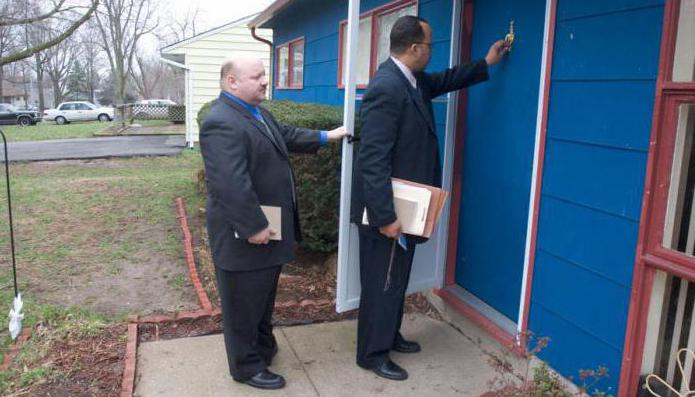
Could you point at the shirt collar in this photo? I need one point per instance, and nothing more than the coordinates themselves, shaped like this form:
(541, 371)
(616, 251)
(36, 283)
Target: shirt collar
(252, 109)
(406, 71)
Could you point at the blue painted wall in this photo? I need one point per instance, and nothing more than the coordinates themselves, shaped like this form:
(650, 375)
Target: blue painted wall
(601, 100)
(318, 22)
(600, 115)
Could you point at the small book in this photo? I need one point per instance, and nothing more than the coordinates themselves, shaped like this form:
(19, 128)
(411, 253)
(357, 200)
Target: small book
(274, 217)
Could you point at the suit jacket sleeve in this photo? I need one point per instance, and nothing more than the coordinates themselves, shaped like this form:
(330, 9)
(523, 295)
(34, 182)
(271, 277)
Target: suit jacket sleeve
(460, 76)
(380, 119)
(299, 140)
(228, 179)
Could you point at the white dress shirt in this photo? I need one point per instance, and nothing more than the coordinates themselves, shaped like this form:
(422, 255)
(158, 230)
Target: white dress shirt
(406, 72)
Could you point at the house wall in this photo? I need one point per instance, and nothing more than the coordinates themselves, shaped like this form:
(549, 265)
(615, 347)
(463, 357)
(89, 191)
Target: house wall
(600, 114)
(205, 55)
(318, 23)
(14, 100)
(601, 101)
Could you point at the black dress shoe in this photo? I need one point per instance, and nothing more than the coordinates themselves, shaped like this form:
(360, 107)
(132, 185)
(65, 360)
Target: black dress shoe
(266, 380)
(404, 346)
(390, 370)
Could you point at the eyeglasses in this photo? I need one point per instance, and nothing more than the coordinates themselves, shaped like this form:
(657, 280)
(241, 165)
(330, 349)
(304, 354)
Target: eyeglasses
(429, 45)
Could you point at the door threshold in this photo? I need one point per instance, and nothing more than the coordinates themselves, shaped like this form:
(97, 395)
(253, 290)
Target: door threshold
(498, 319)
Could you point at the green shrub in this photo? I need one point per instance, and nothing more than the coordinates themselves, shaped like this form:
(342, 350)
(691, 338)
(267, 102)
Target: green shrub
(318, 175)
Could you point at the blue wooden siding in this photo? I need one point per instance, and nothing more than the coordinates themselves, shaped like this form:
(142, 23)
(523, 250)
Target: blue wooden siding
(600, 115)
(318, 23)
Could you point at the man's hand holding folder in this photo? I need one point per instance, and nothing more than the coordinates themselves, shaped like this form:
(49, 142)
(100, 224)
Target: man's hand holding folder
(274, 229)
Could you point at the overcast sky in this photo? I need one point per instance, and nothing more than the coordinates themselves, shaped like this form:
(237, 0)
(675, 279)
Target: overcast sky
(214, 13)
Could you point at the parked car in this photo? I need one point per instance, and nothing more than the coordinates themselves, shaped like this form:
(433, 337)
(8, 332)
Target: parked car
(157, 108)
(68, 112)
(9, 114)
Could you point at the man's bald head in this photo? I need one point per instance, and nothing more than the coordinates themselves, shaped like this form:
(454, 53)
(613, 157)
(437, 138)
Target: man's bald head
(245, 78)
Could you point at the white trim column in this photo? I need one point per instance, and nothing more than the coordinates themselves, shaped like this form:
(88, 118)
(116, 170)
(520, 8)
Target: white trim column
(535, 179)
(348, 250)
(188, 102)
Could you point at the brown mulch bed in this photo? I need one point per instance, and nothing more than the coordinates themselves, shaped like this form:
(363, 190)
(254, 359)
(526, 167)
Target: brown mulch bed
(149, 332)
(80, 366)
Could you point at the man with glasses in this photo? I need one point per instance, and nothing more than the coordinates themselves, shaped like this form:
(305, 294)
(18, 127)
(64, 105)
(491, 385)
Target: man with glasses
(398, 139)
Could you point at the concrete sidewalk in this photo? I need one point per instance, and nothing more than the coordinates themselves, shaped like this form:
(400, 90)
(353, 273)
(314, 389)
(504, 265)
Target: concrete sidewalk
(319, 360)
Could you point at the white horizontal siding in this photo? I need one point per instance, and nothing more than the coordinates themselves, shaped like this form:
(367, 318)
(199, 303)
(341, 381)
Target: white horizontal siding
(205, 56)
(228, 47)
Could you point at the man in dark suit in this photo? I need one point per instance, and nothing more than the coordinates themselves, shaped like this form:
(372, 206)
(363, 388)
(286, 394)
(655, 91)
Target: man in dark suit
(245, 151)
(398, 139)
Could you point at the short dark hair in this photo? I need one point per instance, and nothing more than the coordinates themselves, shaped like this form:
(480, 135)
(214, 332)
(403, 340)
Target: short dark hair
(406, 31)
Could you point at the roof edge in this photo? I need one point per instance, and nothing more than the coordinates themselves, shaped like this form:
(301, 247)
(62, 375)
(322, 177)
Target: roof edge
(267, 14)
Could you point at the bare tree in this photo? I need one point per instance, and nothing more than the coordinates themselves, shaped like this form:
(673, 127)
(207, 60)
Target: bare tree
(8, 38)
(90, 43)
(122, 24)
(174, 87)
(147, 74)
(179, 27)
(34, 34)
(74, 14)
(58, 62)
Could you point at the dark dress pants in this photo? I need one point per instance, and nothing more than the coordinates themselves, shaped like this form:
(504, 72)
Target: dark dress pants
(248, 299)
(381, 311)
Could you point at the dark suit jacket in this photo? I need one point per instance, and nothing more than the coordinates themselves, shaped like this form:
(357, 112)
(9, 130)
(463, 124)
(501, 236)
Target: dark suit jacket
(246, 168)
(398, 137)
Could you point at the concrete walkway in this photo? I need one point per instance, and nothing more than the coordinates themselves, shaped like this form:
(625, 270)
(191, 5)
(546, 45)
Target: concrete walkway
(319, 360)
(92, 148)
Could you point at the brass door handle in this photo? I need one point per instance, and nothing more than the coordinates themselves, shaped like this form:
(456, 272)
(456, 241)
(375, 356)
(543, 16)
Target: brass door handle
(509, 37)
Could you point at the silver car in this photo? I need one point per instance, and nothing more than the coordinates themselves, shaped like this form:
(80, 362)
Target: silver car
(68, 112)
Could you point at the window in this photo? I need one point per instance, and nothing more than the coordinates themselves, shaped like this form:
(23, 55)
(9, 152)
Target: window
(283, 69)
(663, 310)
(68, 106)
(364, 51)
(374, 30)
(385, 22)
(679, 225)
(684, 60)
(669, 329)
(290, 65)
(297, 79)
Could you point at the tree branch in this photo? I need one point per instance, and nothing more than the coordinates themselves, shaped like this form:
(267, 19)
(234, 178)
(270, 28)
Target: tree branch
(50, 43)
(24, 21)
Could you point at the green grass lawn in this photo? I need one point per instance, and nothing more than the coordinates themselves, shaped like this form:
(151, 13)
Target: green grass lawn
(88, 222)
(48, 130)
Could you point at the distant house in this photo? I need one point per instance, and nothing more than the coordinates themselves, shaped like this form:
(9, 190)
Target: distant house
(572, 170)
(13, 94)
(201, 56)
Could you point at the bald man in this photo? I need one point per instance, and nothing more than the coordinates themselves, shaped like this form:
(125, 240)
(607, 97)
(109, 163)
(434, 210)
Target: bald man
(245, 151)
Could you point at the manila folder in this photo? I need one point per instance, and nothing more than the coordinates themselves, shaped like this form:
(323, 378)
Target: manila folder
(274, 217)
(412, 204)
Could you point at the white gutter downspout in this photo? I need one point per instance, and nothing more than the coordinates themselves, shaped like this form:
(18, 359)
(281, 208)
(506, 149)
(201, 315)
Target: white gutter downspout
(189, 99)
(345, 229)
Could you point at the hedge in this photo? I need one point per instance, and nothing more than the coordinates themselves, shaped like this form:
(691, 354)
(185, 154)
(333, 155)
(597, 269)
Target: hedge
(318, 175)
